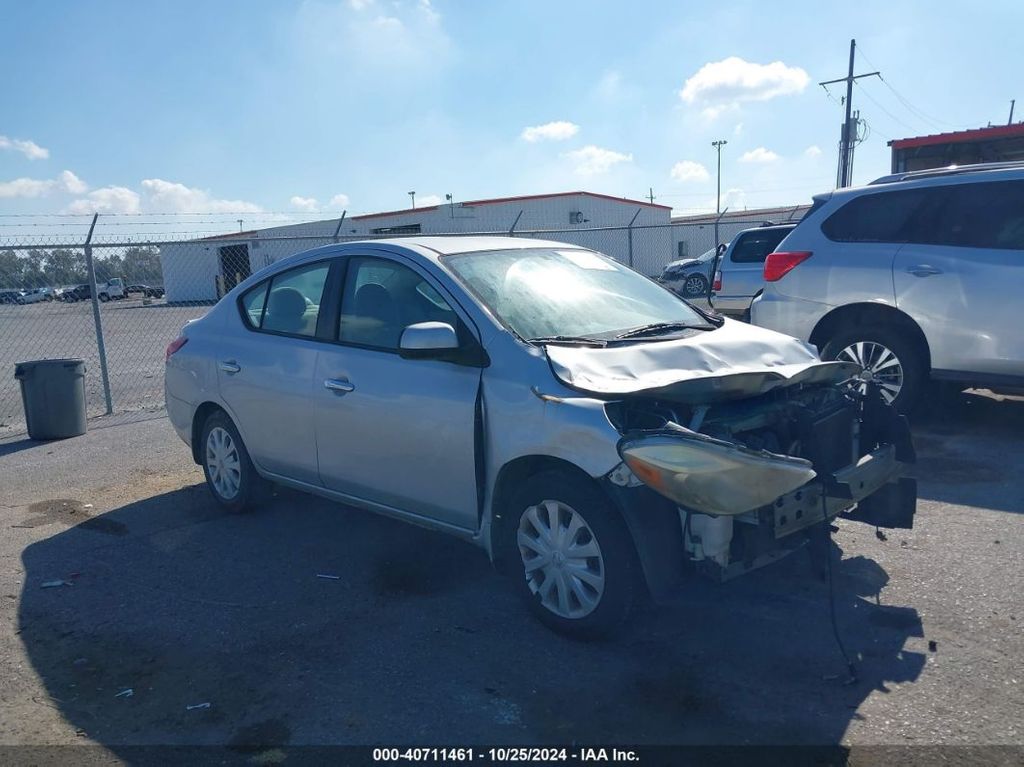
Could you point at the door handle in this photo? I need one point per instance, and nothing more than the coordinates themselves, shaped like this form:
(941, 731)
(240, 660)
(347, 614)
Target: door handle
(338, 385)
(230, 367)
(923, 270)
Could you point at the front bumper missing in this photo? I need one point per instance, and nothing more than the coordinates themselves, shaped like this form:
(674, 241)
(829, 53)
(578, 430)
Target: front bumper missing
(804, 507)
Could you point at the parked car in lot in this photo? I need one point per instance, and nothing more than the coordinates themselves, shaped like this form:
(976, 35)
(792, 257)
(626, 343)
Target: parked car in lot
(148, 291)
(690, 277)
(917, 276)
(10, 296)
(37, 295)
(105, 291)
(592, 431)
(740, 272)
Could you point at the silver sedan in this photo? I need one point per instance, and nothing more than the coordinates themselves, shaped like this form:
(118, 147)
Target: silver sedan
(598, 436)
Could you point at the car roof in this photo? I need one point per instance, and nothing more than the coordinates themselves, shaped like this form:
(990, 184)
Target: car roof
(1000, 168)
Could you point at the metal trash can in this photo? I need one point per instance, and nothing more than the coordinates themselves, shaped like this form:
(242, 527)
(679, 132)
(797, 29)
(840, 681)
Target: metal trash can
(53, 394)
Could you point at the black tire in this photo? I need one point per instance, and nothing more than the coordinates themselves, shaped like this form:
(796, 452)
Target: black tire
(617, 561)
(251, 486)
(104, 297)
(907, 350)
(695, 286)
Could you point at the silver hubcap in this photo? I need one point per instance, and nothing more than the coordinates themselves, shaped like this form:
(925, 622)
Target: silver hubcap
(223, 462)
(878, 365)
(693, 285)
(562, 559)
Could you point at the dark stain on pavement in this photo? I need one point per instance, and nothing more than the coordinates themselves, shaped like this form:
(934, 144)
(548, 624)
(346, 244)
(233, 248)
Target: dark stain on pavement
(260, 736)
(71, 513)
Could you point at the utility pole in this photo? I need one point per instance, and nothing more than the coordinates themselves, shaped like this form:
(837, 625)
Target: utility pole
(718, 197)
(846, 136)
(239, 220)
(650, 190)
(412, 195)
(1013, 102)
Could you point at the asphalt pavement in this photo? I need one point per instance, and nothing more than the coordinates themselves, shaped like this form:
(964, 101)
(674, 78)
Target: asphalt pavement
(307, 622)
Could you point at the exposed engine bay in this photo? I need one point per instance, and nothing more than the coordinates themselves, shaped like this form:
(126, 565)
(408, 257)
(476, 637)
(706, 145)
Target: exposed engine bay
(746, 474)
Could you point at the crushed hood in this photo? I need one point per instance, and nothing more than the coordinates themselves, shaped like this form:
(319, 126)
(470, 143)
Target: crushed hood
(736, 360)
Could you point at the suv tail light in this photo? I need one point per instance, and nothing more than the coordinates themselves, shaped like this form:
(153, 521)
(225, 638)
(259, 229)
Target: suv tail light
(173, 346)
(778, 265)
(717, 284)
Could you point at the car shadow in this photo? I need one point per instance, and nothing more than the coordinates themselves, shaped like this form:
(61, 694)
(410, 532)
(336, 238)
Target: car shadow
(168, 621)
(969, 447)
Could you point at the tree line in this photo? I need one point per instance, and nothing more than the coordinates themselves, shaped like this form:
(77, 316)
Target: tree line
(66, 266)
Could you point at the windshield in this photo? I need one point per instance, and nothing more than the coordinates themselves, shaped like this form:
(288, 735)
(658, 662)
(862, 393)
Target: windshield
(546, 292)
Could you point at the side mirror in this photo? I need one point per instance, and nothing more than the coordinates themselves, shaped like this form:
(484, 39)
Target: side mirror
(428, 340)
(720, 250)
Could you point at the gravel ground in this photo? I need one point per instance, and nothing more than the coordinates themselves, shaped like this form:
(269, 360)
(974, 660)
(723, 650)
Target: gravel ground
(136, 335)
(417, 641)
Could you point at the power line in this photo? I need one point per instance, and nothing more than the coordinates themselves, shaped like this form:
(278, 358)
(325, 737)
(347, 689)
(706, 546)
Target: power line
(878, 104)
(919, 113)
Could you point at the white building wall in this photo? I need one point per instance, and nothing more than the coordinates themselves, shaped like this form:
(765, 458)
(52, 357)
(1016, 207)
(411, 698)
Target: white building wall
(191, 268)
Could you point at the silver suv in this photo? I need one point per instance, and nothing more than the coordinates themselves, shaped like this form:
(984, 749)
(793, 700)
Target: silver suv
(915, 276)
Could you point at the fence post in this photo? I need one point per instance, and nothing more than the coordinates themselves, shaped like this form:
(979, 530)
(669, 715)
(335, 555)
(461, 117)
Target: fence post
(341, 221)
(512, 229)
(714, 260)
(96, 315)
(629, 230)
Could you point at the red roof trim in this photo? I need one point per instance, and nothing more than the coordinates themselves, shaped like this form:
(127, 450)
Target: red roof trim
(958, 137)
(394, 212)
(521, 198)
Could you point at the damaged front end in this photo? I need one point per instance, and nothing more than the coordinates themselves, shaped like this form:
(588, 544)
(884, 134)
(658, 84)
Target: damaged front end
(748, 472)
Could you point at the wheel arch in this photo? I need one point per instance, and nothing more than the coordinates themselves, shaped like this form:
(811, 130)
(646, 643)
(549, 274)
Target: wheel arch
(868, 314)
(203, 412)
(510, 476)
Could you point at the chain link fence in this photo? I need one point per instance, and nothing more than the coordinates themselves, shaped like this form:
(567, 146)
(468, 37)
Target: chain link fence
(115, 300)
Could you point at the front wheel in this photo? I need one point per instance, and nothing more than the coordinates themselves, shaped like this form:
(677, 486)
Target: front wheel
(574, 561)
(230, 475)
(888, 358)
(695, 285)
(104, 297)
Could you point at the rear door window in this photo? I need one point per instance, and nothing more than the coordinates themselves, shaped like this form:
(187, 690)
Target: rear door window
(880, 217)
(754, 247)
(289, 302)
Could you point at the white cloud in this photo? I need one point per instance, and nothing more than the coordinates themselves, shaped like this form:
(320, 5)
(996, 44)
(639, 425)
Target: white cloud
(759, 155)
(25, 187)
(30, 149)
(733, 199)
(171, 197)
(812, 151)
(688, 170)
(722, 84)
(308, 204)
(108, 199)
(72, 183)
(373, 42)
(338, 201)
(593, 160)
(38, 187)
(559, 130)
(427, 200)
(738, 130)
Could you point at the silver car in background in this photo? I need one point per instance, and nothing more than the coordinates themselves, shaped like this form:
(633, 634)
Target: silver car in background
(739, 275)
(918, 276)
(593, 432)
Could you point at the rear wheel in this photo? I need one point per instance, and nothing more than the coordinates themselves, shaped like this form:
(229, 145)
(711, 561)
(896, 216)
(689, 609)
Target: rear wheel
(888, 358)
(230, 475)
(104, 297)
(573, 558)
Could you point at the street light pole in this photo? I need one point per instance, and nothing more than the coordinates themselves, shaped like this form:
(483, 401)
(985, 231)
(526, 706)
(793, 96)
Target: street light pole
(718, 197)
(413, 196)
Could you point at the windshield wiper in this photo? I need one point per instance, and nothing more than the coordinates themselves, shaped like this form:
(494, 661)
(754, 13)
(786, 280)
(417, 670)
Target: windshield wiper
(657, 328)
(572, 340)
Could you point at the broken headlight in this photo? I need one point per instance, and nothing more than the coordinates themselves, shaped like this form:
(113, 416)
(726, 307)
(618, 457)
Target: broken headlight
(709, 475)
